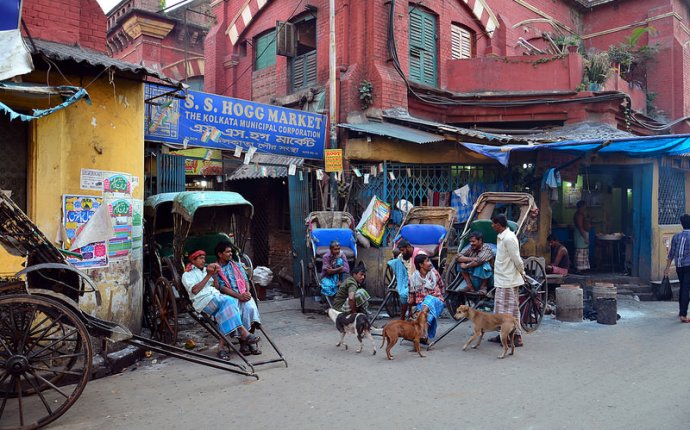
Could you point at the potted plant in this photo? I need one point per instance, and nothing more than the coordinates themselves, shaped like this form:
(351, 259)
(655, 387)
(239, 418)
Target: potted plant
(597, 70)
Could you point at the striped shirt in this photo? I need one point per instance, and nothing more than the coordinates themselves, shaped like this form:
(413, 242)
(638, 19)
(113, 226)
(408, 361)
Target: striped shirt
(680, 249)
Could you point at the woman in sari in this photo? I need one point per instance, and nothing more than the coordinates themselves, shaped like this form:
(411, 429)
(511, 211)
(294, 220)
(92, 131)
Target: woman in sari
(426, 289)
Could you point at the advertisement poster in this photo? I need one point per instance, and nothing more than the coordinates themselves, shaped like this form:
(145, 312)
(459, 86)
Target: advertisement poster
(77, 211)
(204, 166)
(137, 227)
(220, 122)
(91, 179)
(117, 194)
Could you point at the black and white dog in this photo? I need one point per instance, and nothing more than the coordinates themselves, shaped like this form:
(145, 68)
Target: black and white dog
(355, 324)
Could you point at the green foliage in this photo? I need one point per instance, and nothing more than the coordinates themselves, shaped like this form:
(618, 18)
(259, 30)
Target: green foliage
(631, 57)
(366, 94)
(597, 68)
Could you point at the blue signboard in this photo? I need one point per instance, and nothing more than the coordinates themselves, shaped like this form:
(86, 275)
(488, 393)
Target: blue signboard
(213, 121)
(9, 14)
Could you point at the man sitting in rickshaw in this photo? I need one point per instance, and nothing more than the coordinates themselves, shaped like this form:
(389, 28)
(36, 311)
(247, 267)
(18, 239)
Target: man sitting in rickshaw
(205, 293)
(335, 268)
(232, 275)
(475, 264)
(351, 296)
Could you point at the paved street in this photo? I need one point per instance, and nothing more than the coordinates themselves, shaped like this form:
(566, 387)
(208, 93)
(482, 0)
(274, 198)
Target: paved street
(568, 376)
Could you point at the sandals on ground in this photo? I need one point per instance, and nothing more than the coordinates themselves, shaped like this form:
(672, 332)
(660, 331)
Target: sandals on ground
(684, 319)
(251, 339)
(223, 354)
(254, 349)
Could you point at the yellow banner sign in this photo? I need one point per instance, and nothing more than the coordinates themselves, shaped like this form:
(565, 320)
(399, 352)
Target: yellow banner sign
(333, 160)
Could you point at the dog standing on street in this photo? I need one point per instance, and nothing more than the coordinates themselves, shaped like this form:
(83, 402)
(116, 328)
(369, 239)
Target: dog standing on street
(352, 323)
(482, 322)
(409, 330)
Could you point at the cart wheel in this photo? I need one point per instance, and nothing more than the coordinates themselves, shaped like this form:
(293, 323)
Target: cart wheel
(171, 273)
(149, 310)
(42, 343)
(533, 296)
(393, 304)
(451, 276)
(164, 312)
(248, 266)
(302, 286)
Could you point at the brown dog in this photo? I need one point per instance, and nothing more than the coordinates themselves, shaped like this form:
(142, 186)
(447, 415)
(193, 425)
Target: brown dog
(482, 322)
(408, 330)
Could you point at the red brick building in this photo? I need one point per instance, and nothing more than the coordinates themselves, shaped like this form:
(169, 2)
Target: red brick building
(167, 39)
(464, 58)
(70, 22)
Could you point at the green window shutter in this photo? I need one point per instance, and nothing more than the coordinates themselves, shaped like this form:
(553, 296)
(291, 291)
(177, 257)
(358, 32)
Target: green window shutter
(422, 41)
(303, 70)
(265, 50)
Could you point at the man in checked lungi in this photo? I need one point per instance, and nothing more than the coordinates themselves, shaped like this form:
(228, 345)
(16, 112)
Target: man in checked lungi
(351, 296)
(509, 273)
(205, 293)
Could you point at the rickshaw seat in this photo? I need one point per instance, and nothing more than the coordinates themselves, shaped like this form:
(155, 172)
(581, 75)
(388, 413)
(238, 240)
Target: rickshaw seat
(427, 237)
(322, 238)
(164, 240)
(206, 242)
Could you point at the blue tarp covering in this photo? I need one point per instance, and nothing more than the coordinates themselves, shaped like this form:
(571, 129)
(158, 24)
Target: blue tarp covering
(642, 146)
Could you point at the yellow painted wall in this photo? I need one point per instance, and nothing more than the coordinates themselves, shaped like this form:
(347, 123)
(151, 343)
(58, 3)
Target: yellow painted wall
(107, 135)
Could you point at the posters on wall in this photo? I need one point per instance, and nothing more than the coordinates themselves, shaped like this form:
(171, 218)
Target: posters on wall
(125, 215)
(117, 194)
(76, 212)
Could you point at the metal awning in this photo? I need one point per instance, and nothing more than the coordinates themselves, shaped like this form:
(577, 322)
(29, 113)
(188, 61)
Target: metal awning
(394, 131)
(82, 56)
(263, 166)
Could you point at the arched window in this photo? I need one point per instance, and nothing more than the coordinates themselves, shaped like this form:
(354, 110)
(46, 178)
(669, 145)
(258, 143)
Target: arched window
(462, 42)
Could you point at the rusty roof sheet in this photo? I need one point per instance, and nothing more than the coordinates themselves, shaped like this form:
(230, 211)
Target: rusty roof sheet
(394, 131)
(60, 52)
(276, 166)
(401, 115)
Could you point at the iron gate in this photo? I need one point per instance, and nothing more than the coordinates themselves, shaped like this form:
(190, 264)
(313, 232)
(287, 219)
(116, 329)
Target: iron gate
(299, 190)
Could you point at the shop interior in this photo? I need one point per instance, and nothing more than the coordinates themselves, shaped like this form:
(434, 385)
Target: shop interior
(608, 192)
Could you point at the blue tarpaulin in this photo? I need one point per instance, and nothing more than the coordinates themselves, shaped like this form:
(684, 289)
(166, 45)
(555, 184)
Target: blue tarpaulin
(639, 146)
(76, 95)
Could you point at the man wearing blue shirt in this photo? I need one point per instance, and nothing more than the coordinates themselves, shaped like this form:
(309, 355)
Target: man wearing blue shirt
(680, 252)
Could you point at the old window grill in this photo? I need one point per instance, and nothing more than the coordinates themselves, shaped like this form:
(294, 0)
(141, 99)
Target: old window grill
(414, 183)
(671, 195)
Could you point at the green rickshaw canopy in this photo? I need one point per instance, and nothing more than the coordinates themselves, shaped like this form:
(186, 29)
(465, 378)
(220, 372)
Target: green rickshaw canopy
(188, 202)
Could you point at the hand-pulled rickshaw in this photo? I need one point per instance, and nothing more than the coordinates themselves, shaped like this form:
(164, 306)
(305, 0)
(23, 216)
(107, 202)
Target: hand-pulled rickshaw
(178, 224)
(46, 351)
(323, 227)
(427, 228)
(533, 294)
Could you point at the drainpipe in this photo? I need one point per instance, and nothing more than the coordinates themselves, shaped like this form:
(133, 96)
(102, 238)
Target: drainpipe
(332, 97)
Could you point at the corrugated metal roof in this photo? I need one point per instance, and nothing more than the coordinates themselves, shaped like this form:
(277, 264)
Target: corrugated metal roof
(59, 52)
(394, 131)
(578, 131)
(276, 166)
(399, 114)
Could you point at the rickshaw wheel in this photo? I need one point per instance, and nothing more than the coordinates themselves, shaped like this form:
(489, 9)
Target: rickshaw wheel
(45, 356)
(164, 312)
(533, 297)
(302, 286)
(393, 304)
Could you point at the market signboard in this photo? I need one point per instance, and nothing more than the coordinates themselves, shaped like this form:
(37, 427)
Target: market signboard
(219, 122)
